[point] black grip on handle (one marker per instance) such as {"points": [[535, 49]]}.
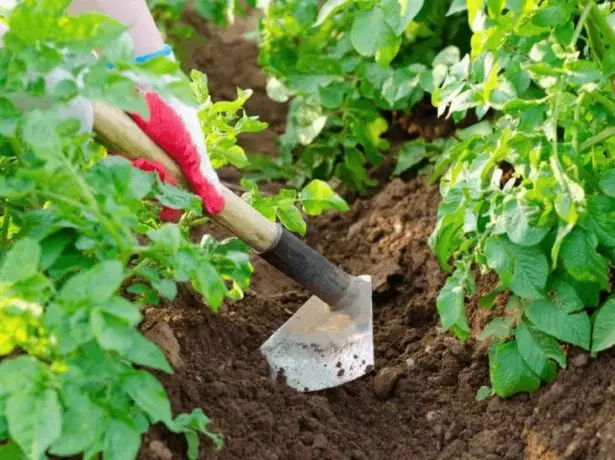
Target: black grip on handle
{"points": [[303, 264]]}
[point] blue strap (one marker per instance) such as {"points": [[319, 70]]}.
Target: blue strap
{"points": [[165, 51]]}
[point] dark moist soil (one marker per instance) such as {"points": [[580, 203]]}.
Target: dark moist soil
{"points": [[419, 402]]}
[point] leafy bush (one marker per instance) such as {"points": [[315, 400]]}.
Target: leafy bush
{"points": [[531, 195], [80, 227], [342, 68]]}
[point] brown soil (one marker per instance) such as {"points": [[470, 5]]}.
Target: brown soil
{"points": [[419, 402]]}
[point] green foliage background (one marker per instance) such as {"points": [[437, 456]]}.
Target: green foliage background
{"points": [[79, 228]]}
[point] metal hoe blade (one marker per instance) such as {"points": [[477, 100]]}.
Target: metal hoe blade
{"points": [[321, 347]]}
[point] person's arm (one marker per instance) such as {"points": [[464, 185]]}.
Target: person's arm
{"points": [[133, 13], [171, 124]]}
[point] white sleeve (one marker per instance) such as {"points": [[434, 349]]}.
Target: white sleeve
{"points": [[134, 13]]}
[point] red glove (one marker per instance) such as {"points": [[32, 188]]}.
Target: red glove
{"points": [[176, 129]]}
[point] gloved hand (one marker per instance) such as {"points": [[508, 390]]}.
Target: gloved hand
{"points": [[175, 127]]}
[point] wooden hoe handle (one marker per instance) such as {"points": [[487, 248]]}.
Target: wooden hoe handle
{"points": [[119, 133]]}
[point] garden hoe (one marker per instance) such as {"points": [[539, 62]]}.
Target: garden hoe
{"points": [[329, 340]]}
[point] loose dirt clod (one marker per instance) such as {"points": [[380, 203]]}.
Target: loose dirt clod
{"points": [[162, 335], [159, 451], [385, 381], [580, 360]]}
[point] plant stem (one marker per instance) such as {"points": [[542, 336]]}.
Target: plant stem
{"points": [[601, 24], [6, 222], [595, 43], [577, 117], [134, 271], [108, 224], [582, 21], [600, 137], [199, 221]]}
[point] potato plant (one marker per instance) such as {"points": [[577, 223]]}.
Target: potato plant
{"points": [[343, 66], [529, 192], [80, 236]]}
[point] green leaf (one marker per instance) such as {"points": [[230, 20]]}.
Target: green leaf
{"points": [[563, 293], [95, 285], [571, 194], [475, 14], [53, 246], [600, 217], [176, 198], [21, 262], [168, 236], [19, 374], [233, 154], [15, 187], [11, 451], [207, 281], [538, 349], [88, 30], [9, 118], [122, 440], [410, 154], [277, 90], [83, 425], [457, 6], [451, 306], [318, 196], [509, 372], [332, 96], [518, 226], [291, 218], [523, 269], [118, 90], [399, 13], [387, 50], [608, 62], [484, 392], [330, 7], [167, 288], [199, 86], [32, 21], [495, 7], [309, 122], [500, 328], [603, 335], [448, 234], [35, 420], [551, 16], [114, 334], [580, 258], [123, 309], [4, 427], [607, 182], [574, 328], [149, 395], [370, 32], [145, 353], [196, 422]]}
